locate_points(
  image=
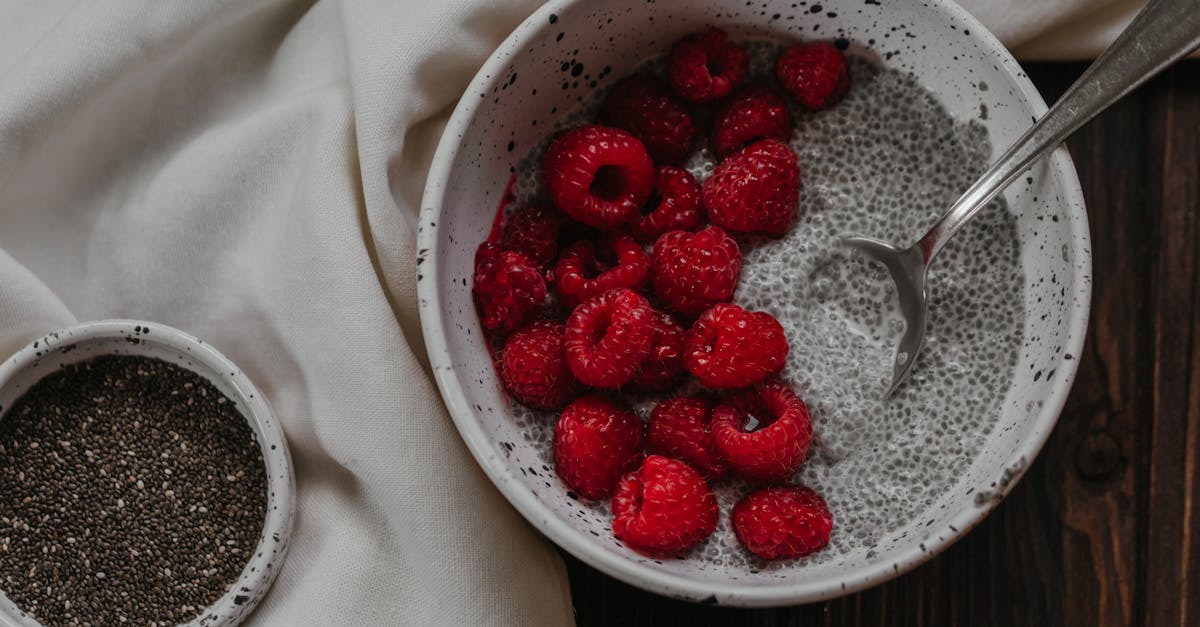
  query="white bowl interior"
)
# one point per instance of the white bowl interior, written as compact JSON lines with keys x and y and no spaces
{"x":528,"y":85}
{"x":127,"y":337}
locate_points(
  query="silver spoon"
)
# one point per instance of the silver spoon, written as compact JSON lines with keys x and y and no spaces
{"x":1161,"y":34}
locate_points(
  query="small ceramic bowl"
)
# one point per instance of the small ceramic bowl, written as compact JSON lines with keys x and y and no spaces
{"x":568,"y":49}
{"x":51,"y":352}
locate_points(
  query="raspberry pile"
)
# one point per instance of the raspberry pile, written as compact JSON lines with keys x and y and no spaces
{"x":620,"y":282}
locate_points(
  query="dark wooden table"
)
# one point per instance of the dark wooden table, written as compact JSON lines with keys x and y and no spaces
{"x":1105,"y":528}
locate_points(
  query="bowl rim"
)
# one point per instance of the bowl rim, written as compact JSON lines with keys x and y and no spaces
{"x":732,"y":593}
{"x":270,"y":551}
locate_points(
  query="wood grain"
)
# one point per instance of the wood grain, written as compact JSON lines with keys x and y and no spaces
{"x":1172,"y":553}
{"x":1104,"y":529}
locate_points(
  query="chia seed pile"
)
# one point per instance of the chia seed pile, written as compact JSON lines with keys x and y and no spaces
{"x":131,"y":490}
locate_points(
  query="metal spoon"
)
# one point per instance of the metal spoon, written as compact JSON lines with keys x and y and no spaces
{"x":1161,"y":34}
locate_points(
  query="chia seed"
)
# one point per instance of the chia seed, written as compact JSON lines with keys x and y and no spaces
{"x":131,"y":490}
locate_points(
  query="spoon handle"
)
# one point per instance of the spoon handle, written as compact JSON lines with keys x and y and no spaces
{"x":1161,"y":34}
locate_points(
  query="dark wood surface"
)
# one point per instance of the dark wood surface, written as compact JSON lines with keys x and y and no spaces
{"x":1104,"y":529}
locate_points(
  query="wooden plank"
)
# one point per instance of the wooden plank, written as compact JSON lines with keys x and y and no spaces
{"x":1171,"y":548}
{"x":1095,"y":462}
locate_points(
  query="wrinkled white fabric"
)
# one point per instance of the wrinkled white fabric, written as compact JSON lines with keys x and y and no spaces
{"x":1054,"y":29}
{"x":223,"y":167}
{"x":250,"y":171}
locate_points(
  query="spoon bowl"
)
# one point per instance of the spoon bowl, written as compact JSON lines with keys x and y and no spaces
{"x":908,"y":273}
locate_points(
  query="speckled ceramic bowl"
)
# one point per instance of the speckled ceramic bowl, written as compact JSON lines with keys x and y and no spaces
{"x":522,"y":91}
{"x":147,"y":339}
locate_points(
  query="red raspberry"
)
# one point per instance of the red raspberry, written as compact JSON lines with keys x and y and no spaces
{"x":533,"y":231}
{"x":729,"y":347}
{"x":596,"y":441}
{"x":664,"y":507}
{"x":679,"y":428}
{"x":755,"y":112}
{"x":755,"y":189}
{"x":609,"y":337}
{"x":582,"y":275}
{"x":663,"y":367}
{"x":646,"y":108}
{"x":534,"y":368}
{"x":764,"y":433}
{"x":509,"y":289}
{"x":598,"y":175}
{"x":706,"y":66}
{"x":694,"y":271}
{"x":816,"y":74}
{"x":675,"y":205}
{"x":782,"y":522}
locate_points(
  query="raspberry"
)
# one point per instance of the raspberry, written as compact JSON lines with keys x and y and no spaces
{"x":598,"y":175}
{"x":533,"y":231}
{"x":609,"y":337}
{"x":764,"y":433}
{"x":729,"y":347}
{"x":509,"y":290}
{"x":694,"y":271}
{"x":583,"y":275}
{"x":755,"y":112}
{"x":596,"y":440}
{"x":663,"y":507}
{"x":675,"y":205}
{"x":816,"y":74}
{"x":534,"y":368}
{"x":662,"y":368}
{"x":757,"y":189}
{"x":782,"y":522}
{"x":679,"y":428}
{"x":706,"y":66}
{"x":646,"y":108}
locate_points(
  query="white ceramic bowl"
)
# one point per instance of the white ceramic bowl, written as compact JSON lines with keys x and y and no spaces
{"x":526,"y":85}
{"x":51,"y":352}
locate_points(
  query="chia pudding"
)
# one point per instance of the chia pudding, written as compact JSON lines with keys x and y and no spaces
{"x":885,"y":162}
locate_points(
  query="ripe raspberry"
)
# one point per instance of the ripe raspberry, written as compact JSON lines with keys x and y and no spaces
{"x":533,"y":231}
{"x":582,"y":275}
{"x":755,"y":112}
{"x":534,"y":368}
{"x":596,"y":441}
{"x":755,"y":189}
{"x":694,"y":271}
{"x":664,"y":507}
{"x":675,"y":205}
{"x":729,"y":347}
{"x":679,"y":428}
{"x":663,"y":367}
{"x":609,"y":337}
{"x":706,"y":66}
{"x":509,"y":290}
{"x":598,"y":175}
{"x":816,"y":74}
{"x":782,"y":522}
{"x":764,"y":433}
{"x":646,"y":108}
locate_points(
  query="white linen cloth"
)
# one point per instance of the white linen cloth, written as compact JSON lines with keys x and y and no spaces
{"x":250,"y":171}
